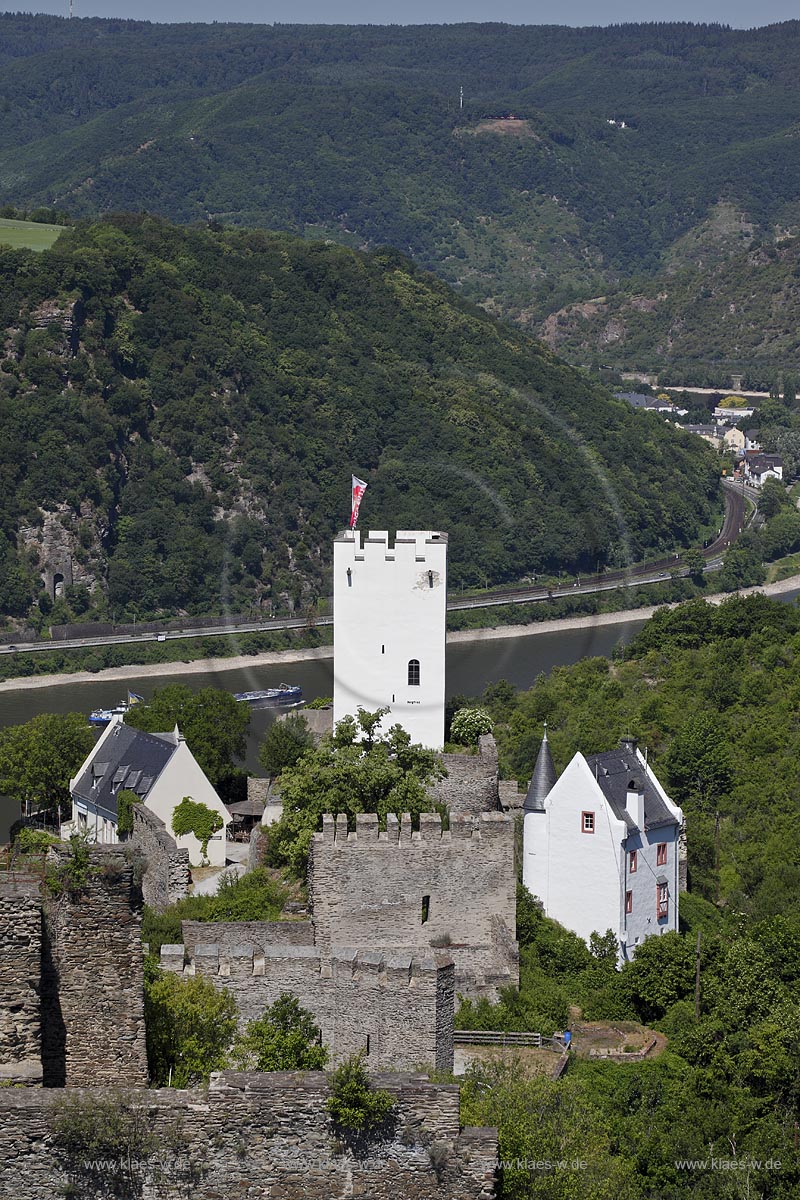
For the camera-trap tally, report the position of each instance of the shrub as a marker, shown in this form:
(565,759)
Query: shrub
(192,816)
(468,724)
(34,841)
(125,801)
(286,1038)
(356,1107)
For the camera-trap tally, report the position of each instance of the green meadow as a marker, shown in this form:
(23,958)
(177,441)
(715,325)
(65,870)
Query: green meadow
(27,235)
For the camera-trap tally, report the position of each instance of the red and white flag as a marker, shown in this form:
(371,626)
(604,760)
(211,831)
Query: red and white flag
(359,487)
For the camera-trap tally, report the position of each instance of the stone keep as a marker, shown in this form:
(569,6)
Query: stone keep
(389,603)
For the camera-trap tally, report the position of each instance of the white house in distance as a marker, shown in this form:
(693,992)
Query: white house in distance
(389,603)
(601,846)
(160,768)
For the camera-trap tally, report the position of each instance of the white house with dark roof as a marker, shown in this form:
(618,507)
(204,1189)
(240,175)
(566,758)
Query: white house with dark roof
(160,768)
(601,846)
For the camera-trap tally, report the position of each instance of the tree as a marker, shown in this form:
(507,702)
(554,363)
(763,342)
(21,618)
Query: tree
(213,723)
(286,1038)
(469,724)
(772,498)
(789,390)
(286,742)
(192,816)
(741,568)
(355,769)
(695,564)
(781,534)
(38,759)
(190,1026)
(699,762)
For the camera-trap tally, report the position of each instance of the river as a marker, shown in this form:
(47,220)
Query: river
(470,667)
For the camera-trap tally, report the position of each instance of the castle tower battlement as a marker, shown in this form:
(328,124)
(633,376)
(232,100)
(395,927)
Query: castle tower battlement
(389,608)
(420,890)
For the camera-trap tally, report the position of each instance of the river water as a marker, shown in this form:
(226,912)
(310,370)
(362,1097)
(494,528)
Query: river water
(470,667)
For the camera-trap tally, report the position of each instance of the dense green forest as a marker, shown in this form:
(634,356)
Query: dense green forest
(355,133)
(182,408)
(726,301)
(713,694)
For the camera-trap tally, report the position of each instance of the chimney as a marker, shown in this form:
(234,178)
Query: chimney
(634,801)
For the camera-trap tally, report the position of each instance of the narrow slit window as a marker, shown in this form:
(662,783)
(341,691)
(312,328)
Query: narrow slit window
(349,577)
(633,862)
(367,1044)
(426,908)
(629,902)
(413,672)
(430,579)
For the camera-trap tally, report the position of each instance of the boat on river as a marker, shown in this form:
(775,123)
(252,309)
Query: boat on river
(284,696)
(104,716)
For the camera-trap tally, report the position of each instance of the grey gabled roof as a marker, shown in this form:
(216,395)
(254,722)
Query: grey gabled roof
(130,759)
(613,769)
(542,780)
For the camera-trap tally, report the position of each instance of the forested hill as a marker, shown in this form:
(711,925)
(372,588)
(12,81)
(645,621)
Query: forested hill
(730,302)
(182,409)
(623,138)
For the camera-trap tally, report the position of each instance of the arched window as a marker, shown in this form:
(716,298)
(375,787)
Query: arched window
(413,672)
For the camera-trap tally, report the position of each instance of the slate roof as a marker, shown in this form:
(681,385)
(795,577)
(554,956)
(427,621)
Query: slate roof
(128,759)
(612,770)
(542,780)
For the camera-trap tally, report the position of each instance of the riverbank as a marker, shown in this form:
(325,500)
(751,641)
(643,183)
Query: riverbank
(219,666)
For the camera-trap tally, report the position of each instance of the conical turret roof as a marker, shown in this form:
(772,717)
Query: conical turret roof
(542,780)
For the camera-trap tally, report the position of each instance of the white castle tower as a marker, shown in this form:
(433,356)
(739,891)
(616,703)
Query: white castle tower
(389,604)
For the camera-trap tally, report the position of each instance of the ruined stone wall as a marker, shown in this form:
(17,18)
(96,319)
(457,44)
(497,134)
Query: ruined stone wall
(166,877)
(396,1007)
(264,1136)
(471,784)
(454,890)
(92,974)
(229,934)
(20,969)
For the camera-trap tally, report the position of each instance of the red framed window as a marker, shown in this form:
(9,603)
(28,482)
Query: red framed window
(587,822)
(662,901)
(661,854)
(632,863)
(629,902)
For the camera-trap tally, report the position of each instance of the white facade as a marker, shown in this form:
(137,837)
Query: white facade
(181,777)
(603,850)
(389,607)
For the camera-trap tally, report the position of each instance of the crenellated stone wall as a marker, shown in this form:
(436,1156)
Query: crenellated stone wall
(20,972)
(92,974)
(229,934)
(268,1137)
(409,891)
(166,877)
(396,1007)
(471,783)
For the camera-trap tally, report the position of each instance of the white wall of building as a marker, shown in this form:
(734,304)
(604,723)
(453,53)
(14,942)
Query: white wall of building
(389,607)
(183,777)
(576,875)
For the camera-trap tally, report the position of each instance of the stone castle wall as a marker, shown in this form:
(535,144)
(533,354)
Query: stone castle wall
(471,784)
(264,1136)
(416,890)
(396,1008)
(20,970)
(230,934)
(166,877)
(92,976)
